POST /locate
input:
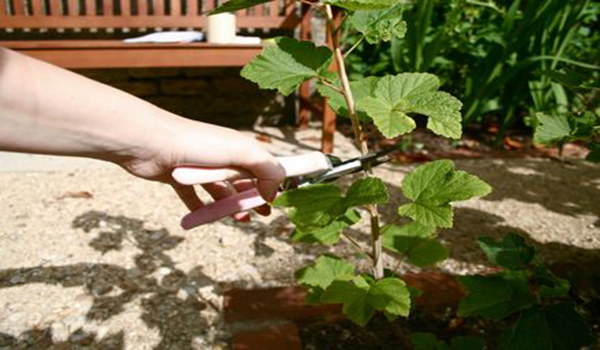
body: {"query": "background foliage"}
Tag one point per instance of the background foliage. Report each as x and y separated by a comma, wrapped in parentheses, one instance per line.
(503, 59)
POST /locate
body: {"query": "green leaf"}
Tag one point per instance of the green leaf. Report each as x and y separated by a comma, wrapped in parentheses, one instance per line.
(312, 207)
(234, 5)
(329, 234)
(390, 295)
(433, 186)
(550, 285)
(494, 297)
(397, 96)
(360, 89)
(360, 298)
(287, 64)
(401, 239)
(389, 105)
(486, 296)
(353, 295)
(467, 343)
(313, 295)
(389, 118)
(556, 326)
(427, 253)
(428, 341)
(362, 4)
(325, 270)
(511, 253)
(443, 111)
(594, 155)
(551, 129)
(379, 25)
(369, 190)
(424, 341)
(416, 241)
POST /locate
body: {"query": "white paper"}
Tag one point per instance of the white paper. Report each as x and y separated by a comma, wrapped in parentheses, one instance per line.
(167, 37)
(247, 40)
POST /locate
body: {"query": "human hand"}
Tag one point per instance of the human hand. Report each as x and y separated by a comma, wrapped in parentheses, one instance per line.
(189, 143)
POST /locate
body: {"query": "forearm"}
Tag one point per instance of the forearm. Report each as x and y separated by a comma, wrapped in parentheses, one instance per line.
(45, 109)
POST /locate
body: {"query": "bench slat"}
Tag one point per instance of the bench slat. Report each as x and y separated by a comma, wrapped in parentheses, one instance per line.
(142, 7)
(83, 14)
(56, 8)
(117, 55)
(4, 7)
(108, 8)
(73, 7)
(207, 5)
(38, 7)
(90, 7)
(141, 22)
(159, 7)
(176, 8)
(19, 7)
(258, 10)
(192, 8)
(106, 44)
(125, 7)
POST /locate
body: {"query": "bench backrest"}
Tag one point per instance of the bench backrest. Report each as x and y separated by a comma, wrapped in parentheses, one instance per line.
(68, 14)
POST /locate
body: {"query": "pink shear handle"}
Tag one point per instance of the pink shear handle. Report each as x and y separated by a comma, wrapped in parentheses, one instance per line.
(242, 201)
(304, 164)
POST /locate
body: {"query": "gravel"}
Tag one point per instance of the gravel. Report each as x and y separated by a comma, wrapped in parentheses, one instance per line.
(95, 257)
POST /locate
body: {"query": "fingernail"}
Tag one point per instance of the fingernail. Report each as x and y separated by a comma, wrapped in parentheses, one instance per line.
(243, 216)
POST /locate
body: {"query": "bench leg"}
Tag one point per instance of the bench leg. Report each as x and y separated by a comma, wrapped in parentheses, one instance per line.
(304, 112)
(329, 116)
(329, 128)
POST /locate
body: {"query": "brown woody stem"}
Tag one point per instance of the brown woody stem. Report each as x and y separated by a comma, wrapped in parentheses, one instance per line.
(360, 139)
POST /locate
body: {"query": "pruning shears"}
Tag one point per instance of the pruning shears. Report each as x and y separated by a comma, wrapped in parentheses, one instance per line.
(301, 170)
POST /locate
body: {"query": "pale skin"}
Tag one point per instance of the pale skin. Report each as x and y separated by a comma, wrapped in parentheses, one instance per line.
(48, 110)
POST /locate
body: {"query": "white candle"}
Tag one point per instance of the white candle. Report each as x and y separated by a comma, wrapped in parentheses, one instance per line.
(221, 28)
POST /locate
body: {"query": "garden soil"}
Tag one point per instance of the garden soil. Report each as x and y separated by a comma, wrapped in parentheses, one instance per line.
(95, 257)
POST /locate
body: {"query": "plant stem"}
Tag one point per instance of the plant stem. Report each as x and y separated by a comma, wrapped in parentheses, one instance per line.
(354, 46)
(339, 59)
(360, 139)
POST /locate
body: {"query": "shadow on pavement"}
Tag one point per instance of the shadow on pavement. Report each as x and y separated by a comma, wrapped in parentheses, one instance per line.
(177, 319)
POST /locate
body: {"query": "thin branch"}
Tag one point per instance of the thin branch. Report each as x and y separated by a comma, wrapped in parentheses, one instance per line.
(400, 261)
(354, 46)
(355, 243)
(331, 86)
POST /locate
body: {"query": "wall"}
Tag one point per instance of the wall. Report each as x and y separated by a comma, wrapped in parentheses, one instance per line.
(213, 95)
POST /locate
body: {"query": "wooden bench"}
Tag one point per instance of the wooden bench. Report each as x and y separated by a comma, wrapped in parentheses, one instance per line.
(129, 18)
